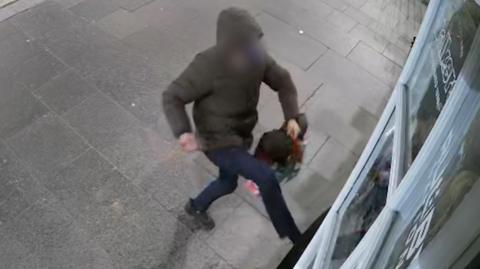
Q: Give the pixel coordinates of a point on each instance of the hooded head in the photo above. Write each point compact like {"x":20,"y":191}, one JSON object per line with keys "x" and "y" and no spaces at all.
{"x":238,"y":35}
{"x":236,"y":27}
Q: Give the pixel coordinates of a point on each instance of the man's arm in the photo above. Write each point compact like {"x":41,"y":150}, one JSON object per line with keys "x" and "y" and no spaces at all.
{"x":192,"y":84}
{"x":279,"y":79}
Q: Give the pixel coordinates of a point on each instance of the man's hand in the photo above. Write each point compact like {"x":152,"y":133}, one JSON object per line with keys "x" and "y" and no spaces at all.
{"x":293,"y":129}
{"x":188,"y":142}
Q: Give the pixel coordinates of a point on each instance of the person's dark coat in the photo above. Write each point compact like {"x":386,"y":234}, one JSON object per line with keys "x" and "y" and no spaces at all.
{"x":225,"y":99}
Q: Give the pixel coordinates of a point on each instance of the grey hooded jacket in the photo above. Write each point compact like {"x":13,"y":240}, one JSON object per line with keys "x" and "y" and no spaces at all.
{"x":225,"y":99}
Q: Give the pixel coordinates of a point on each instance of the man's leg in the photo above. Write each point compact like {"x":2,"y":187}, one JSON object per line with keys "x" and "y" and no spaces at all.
{"x":226,"y":183}
{"x":239,"y":162}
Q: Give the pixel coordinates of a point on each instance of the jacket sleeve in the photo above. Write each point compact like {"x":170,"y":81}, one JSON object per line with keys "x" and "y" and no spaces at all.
{"x":279,"y":80}
{"x":193,"y":84}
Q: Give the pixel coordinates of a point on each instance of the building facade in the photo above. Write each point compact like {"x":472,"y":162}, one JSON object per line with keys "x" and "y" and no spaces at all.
{"x":412,"y":199}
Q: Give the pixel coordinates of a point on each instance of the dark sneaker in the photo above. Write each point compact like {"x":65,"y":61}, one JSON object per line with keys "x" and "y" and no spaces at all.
{"x":201,"y":217}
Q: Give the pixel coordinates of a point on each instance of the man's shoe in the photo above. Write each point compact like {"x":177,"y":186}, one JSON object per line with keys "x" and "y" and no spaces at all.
{"x":201,"y":217}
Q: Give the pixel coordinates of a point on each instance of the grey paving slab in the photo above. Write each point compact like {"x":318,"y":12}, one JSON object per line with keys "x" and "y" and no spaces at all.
{"x":336,"y":115}
{"x":332,"y":36}
{"x":315,"y":140}
{"x":37,"y":70}
{"x":18,"y":108}
{"x":48,"y":231}
{"x":312,"y":193}
{"x":306,"y":84}
{"x":46,"y":143}
{"x":356,"y":83}
{"x":68,"y":3}
{"x":72,"y":42}
{"x":288,"y":43}
{"x":388,"y":32}
{"x":118,"y":135}
{"x":17,"y":177}
{"x":373,"y":8}
{"x":368,"y":36}
{"x":149,"y":110}
{"x":121,"y":23}
{"x":15,"y":49}
{"x":342,"y":21}
{"x":43,"y":18}
{"x":339,"y":5}
{"x":6,"y":29}
{"x":172,"y":182}
{"x":333,"y":162}
{"x":64,"y":91}
{"x":364,"y":121}
{"x":100,"y":120}
{"x":12,"y":202}
{"x":165,"y":13}
{"x":167,"y":51}
{"x":195,"y":254}
{"x":134,"y":230}
{"x":146,"y":240}
{"x":359,"y":16}
{"x":245,"y":239}
{"x":122,"y":74}
{"x":99,"y":198}
{"x":132,"y":5}
{"x":395,"y":54}
{"x":75,"y":185}
{"x":299,"y":14}
{"x":356,"y":3}
{"x":271,"y":115}
{"x":375,"y":63}
{"x":94,"y":10}
{"x":14,"y":255}
{"x":183,"y":20}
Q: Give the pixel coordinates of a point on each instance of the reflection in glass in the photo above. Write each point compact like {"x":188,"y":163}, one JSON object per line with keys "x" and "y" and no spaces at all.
{"x":440,"y":63}
{"x":454,"y":171}
{"x":369,"y":200}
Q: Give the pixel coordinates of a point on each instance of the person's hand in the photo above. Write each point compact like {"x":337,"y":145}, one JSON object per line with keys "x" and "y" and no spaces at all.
{"x":188,"y":142}
{"x":293,"y":129}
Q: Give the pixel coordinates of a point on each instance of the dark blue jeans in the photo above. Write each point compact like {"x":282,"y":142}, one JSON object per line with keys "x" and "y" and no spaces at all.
{"x":236,"y":161}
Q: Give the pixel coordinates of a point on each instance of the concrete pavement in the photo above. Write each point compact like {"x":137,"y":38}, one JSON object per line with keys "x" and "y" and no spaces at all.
{"x":90,"y":176}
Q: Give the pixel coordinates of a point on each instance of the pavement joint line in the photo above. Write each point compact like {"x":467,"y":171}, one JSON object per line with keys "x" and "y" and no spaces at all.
{"x":352,"y":49}
{"x":312,"y":95}
{"x":318,"y":150}
{"x":316,"y":60}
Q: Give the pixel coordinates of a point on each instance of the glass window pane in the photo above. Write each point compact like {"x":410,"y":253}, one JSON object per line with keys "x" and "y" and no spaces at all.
{"x":441,"y":61}
{"x":449,"y":174}
{"x":448,"y":188}
{"x":369,"y":199}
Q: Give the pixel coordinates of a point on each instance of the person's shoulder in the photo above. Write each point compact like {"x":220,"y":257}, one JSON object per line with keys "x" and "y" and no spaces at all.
{"x":208,"y":54}
{"x":207,"y":58}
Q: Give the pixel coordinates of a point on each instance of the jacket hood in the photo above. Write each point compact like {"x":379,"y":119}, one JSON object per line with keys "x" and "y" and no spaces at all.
{"x":235,"y":26}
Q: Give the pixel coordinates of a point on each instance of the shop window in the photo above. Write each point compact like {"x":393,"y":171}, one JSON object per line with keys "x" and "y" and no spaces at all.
{"x":369,"y":199}
{"x":438,"y":69}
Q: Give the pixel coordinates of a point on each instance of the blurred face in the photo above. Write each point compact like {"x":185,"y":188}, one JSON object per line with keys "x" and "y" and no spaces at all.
{"x":246,"y":55}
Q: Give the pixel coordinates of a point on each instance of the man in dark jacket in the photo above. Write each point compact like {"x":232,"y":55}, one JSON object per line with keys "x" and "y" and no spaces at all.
{"x":223,"y":82}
